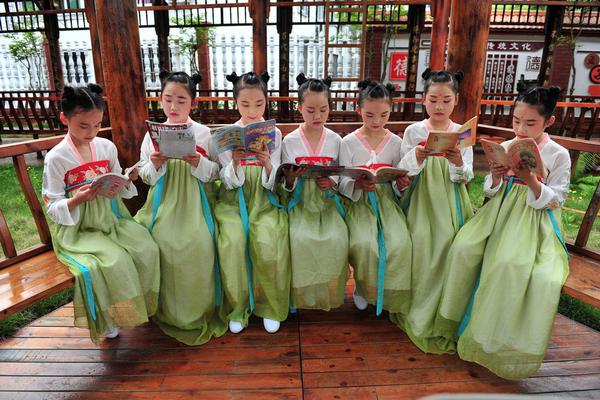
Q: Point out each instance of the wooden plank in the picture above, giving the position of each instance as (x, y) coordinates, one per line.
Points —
(32, 199)
(242, 394)
(583, 281)
(8, 244)
(589, 218)
(25, 254)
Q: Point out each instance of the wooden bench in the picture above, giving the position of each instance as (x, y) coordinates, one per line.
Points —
(29, 275)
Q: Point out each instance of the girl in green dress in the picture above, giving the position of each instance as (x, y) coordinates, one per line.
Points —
(507, 265)
(318, 233)
(178, 214)
(113, 258)
(437, 205)
(253, 244)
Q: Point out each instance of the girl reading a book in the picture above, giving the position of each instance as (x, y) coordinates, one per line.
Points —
(113, 258)
(178, 214)
(436, 204)
(318, 233)
(253, 241)
(379, 241)
(507, 265)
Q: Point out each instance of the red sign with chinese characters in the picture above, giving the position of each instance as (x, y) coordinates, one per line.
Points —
(398, 66)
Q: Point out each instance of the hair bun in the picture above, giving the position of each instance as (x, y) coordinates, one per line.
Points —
(265, 76)
(554, 92)
(427, 73)
(521, 87)
(459, 76)
(327, 81)
(301, 79)
(365, 83)
(163, 74)
(390, 88)
(68, 92)
(233, 77)
(94, 88)
(196, 79)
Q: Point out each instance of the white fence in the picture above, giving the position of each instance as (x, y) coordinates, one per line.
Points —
(228, 53)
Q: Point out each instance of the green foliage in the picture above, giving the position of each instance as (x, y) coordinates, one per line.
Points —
(189, 39)
(27, 49)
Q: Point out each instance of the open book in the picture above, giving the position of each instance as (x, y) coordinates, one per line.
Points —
(111, 183)
(525, 151)
(381, 174)
(441, 141)
(312, 171)
(173, 140)
(251, 137)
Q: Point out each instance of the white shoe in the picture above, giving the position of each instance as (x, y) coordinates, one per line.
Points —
(235, 326)
(270, 325)
(360, 302)
(113, 333)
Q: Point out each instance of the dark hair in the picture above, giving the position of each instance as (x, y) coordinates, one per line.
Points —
(312, 85)
(430, 77)
(188, 82)
(544, 98)
(248, 80)
(372, 90)
(85, 98)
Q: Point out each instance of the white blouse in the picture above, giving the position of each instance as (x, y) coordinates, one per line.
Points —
(355, 151)
(65, 157)
(556, 185)
(296, 145)
(417, 133)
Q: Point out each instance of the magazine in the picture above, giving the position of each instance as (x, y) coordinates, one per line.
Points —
(525, 151)
(312, 171)
(381, 174)
(173, 140)
(251, 137)
(442, 141)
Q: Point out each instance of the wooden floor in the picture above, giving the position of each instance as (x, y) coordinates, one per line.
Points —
(344, 354)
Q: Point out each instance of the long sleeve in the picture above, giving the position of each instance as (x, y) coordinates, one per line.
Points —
(287, 157)
(346, 184)
(488, 190)
(408, 150)
(268, 181)
(149, 174)
(53, 193)
(231, 177)
(207, 169)
(465, 173)
(555, 190)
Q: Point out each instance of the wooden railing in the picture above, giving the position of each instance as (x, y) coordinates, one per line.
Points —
(35, 113)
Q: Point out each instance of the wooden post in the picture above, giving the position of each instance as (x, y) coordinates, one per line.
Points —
(90, 13)
(552, 30)
(416, 22)
(204, 63)
(439, 33)
(467, 46)
(161, 27)
(123, 81)
(284, 28)
(259, 12)
(52, 32)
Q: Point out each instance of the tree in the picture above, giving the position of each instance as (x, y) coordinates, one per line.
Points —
(27, 49)
(189, 39)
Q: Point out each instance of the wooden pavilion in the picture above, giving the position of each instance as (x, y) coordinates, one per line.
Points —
(316, 355)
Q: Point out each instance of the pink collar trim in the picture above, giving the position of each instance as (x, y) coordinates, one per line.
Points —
(240, 123)
(430, 128)
(189, 121)
(77, 153)
(380, 146)
(310, 150)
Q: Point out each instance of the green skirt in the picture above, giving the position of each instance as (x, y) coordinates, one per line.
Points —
(263, 262)
(318, 247)
(365, 244)
(178, 214)
(119, 256)
(518, 253)
(437, 208)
